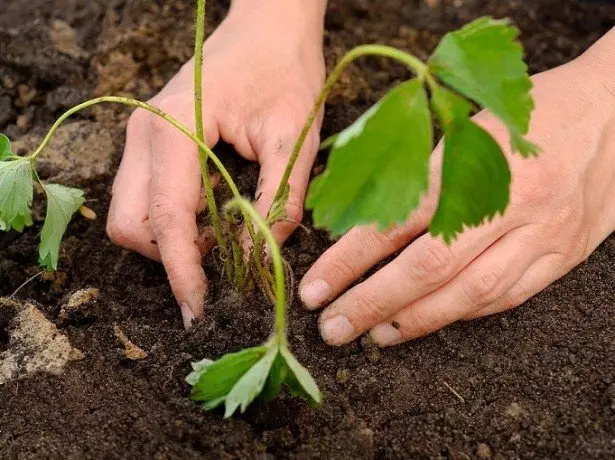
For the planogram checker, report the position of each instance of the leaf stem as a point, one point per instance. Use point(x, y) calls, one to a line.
point(156, 111)
point(200, 132)
point(410, 61)
point(278, 267)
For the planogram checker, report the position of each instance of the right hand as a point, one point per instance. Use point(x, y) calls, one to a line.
point(263, 69)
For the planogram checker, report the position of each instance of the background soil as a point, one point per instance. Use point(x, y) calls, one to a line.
point(538, 382)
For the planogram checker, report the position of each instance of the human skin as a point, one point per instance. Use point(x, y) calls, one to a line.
point(263, 67)
point(561, 209)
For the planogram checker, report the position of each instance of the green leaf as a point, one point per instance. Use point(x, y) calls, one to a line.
point(250, 384)
point(16, 193)
point(299, 380)
point(484, 62)
point(220, 377)
point(378, 167)
point(5, 148)
point(198, 369)
point(62, 203)
point(277, 376)
point(475, 180)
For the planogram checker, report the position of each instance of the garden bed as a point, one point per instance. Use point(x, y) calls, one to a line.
point(538, 382)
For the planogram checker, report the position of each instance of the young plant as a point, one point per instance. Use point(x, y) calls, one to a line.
point(378, 170)
point(237, 379)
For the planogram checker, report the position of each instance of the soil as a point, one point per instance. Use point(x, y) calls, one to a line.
point(537, 382)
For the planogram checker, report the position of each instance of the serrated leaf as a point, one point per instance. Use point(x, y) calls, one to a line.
point(62, 203)
point(5, 148)
point(16, 193)
point(198, 369)
point(475, 180)
point(220, 376)
point(484, 62)
point(378, 167)
point(299, 380)
point(250, 384)
point(277, 376)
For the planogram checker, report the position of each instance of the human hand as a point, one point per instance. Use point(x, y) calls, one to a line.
point(561, 208)
point(263, 69)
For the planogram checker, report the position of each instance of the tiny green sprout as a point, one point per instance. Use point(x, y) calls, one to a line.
point(236, 379)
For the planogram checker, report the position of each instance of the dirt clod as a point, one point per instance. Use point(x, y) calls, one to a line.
point(35, 345)
point(131, 351)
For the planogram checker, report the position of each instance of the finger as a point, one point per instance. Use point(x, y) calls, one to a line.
point(354, 254)
point(128, 219)
point(538, 277)
point(273, 155)
point(483, 281)
point(420, 269)
point(363, 247)
point(175, 192)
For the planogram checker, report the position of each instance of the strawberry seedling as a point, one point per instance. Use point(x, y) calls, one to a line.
point(378, 171)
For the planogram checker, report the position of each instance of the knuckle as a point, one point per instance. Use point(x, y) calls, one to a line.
point(343, 268)
point(162, 213)
point(435, 264)
point(371, 311)
point(483, 287)
point(122, 234)
point(294, 209)
point(417, 324)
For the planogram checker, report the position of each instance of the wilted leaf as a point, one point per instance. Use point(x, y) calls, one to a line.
point(484, 61)
point(62, 203)
point(378, 167)
point(220, 377)
point(16, 193)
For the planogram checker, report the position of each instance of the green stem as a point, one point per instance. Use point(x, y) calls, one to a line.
point(410, 61)
point(278, 268)
point(200, 133)
point(156, 111)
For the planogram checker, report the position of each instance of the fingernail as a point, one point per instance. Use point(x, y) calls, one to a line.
point(337, 330)
point(187, 315)
point(315, 293)
point(385, 334)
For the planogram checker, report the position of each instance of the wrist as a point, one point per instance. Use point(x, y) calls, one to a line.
point(298, 17)
point(598, 63)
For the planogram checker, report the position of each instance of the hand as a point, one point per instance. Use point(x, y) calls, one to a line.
point(561, 208)
point(263, 69)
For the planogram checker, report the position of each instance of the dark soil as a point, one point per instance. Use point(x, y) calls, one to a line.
point(538, 382)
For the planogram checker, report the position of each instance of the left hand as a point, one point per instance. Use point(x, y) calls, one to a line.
point(561, 209)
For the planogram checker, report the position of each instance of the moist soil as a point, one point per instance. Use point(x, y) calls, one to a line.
point(537, 382)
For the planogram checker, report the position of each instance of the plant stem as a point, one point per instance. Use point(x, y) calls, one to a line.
point(278, 267)
point(200, 133)
point(156, 111)
point(410, 61)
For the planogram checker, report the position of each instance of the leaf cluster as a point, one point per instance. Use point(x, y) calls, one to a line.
point(17, 179)
point(378, 168)
point(236, 379)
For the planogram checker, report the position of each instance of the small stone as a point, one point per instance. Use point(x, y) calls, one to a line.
point(483, 450)
point(370, 349)
point(514, 410)
point(26, 94)
point(35, 345)
point(131, 351)
point(81, 305)
point(65, 39)
point(342, 376)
